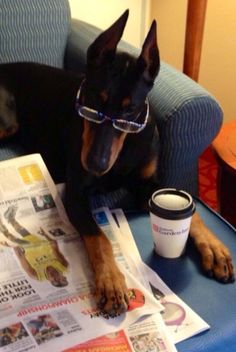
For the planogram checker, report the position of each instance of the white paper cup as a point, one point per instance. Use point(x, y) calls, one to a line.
point(171, 212)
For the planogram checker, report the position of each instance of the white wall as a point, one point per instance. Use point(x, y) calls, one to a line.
point(218, 64)
point(218, 61)
point(171, 18)
point(103, 13)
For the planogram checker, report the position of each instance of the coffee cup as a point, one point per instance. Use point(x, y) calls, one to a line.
point(171, 212)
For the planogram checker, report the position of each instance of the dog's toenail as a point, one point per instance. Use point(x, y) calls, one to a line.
point(127, 299)
point(224, 279)
point(102, 302)
point(123, 308)
point(112, 313)
point(209, 273)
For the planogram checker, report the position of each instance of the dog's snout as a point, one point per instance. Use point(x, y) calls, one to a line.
point(103, 164)
point(97, 165)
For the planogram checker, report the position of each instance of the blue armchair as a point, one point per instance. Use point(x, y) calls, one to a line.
point(188, 117)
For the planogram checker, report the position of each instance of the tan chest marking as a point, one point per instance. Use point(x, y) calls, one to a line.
point(149, 169)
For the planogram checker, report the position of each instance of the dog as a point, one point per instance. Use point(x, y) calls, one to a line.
point(96, 132)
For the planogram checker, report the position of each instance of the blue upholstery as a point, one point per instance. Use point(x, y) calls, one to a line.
point(213, 301)
point(10, 149)
point(34, 31)
point(188, 117)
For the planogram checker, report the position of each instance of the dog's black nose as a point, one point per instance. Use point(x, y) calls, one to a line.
point(97, 165)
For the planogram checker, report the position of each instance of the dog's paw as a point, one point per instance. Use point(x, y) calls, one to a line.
point(111, 291)
point(216, 257)
point(216, 260)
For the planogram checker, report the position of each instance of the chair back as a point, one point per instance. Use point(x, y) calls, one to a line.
point(34, 30)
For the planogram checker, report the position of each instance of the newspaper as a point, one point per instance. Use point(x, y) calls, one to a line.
point(46, 286)
point(158, 332)
point(149, 334)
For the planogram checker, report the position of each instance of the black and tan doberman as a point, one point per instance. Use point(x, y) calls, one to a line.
point(97, 133)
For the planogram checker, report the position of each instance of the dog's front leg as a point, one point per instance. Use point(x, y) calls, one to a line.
point(111, 290)
point(216, 257)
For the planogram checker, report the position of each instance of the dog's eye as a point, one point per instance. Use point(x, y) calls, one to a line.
point(129, 111)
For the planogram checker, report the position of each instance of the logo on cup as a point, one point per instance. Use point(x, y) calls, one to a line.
point(155, 227)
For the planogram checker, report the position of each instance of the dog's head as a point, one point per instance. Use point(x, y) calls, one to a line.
point(113, 96)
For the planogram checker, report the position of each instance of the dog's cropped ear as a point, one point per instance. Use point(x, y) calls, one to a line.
point(104, 46)
point(149, 60)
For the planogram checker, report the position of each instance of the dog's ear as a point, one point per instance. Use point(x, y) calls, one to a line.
point(104, 46)
point(149, 60)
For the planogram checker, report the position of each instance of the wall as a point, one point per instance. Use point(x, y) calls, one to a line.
point(218, 62)
point(102, 13)
point(171, 17)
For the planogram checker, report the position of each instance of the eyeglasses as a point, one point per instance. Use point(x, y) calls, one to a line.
point(118, 123)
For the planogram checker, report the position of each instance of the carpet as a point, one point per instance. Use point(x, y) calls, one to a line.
point(207, 176)
point(208, 173)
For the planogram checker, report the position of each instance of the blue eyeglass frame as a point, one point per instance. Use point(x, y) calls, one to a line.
point(115, 122)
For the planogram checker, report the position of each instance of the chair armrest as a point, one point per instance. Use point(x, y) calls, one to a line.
point(188, 117)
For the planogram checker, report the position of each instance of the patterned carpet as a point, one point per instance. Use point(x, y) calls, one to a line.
point(208, 169)
point(208, 173)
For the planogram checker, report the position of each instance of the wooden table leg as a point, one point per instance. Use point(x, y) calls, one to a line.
point(193, 37)
point(227, 193)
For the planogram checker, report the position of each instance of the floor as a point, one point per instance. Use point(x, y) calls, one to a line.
point(208, 174)
point(208, 170)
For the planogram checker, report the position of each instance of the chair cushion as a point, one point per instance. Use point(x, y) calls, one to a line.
point(11, 149)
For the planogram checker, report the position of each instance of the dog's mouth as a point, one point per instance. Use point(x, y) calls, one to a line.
point(94, 170)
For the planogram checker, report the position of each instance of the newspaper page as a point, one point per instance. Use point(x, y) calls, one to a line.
point(46, 288)
point(149, 334)
point(181, 321)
